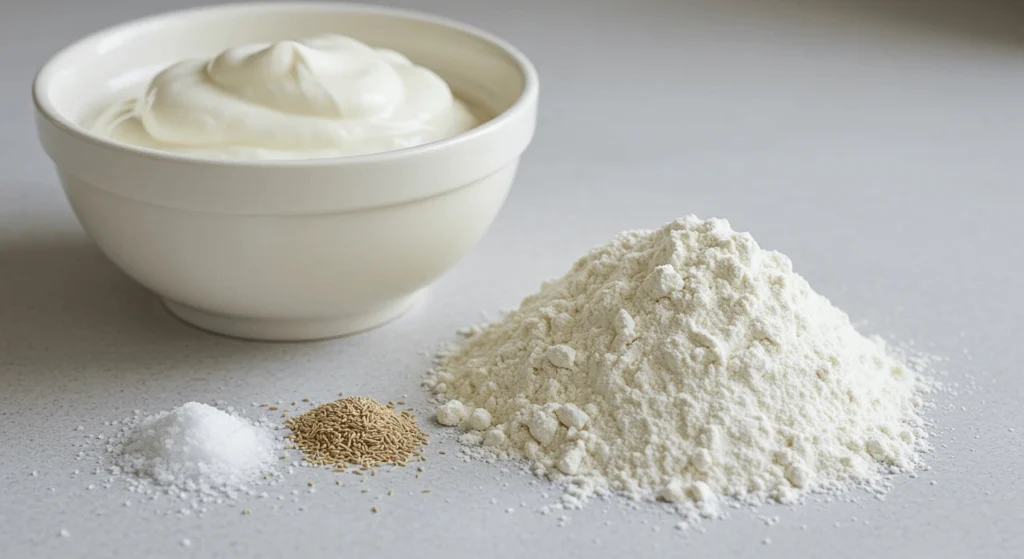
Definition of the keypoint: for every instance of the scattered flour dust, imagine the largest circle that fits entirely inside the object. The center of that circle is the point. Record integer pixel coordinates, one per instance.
(684, 364)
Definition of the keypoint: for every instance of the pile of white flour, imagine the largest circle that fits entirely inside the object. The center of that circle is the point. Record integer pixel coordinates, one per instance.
(684, 363)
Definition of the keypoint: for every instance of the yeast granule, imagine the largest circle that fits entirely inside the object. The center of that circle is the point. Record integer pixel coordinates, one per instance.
(356, 430)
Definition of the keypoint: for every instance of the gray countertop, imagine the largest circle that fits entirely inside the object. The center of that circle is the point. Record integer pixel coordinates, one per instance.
(877, 143)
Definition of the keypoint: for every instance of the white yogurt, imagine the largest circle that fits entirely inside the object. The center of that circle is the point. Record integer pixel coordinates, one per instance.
(327, 96)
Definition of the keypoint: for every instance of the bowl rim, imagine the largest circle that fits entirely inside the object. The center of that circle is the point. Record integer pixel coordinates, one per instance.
(523, 103)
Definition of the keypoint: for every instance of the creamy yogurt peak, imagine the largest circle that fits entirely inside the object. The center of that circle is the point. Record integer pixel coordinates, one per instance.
(326, 96)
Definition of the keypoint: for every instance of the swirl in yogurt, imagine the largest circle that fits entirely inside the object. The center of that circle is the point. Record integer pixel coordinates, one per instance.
(327, 96)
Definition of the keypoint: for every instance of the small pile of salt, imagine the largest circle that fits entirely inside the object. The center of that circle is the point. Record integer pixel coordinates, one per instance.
(196, 447)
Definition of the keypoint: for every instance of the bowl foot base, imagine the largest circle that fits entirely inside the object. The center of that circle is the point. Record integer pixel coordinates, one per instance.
(292, 330)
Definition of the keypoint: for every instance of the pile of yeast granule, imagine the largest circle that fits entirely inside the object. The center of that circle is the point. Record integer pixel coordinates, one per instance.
(358, 431)
(684, 363)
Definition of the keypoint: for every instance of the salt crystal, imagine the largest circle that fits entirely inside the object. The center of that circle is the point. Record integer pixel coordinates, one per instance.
(199, 446)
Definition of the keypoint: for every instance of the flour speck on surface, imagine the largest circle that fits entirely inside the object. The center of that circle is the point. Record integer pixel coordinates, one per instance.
(684, 364)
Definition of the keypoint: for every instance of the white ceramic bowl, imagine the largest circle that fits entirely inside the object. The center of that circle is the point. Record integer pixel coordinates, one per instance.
(286, 250)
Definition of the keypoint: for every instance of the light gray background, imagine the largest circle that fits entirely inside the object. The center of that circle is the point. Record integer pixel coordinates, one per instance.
(876, 142)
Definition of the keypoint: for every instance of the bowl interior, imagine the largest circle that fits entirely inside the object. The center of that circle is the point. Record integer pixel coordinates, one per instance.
(482, 70)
